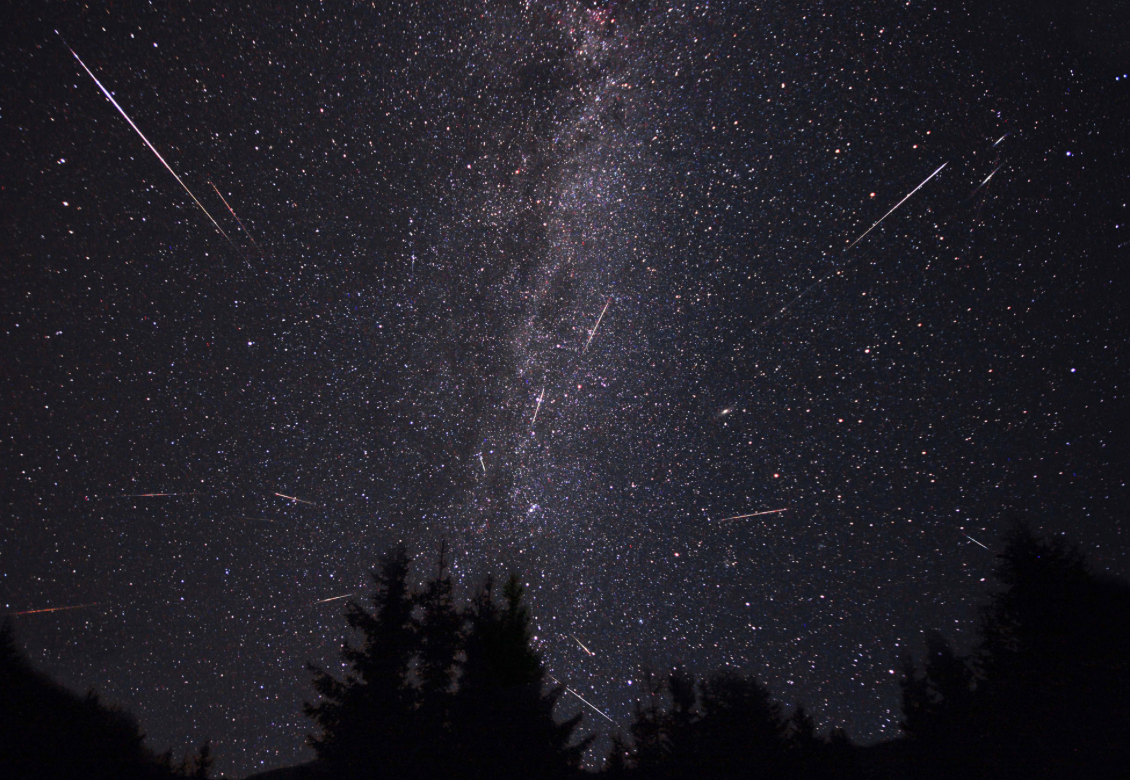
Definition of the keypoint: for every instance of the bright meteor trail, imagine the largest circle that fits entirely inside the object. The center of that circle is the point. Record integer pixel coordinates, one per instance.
(904, 200)
(754, 514)
(153, 149)
(53, 609)
(582, 698)
(597, 325)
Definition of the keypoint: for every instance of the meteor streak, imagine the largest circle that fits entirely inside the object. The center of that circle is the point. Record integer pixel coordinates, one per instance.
(482, 463)
(970, 538)
(754, 514)
(237, 219)
(53, 609)
(152, 148)
(998, 141)
(597, 325)
(582, 698)
(538, 407)
(334, 598)
(986, 181)
(157, 495)
(578, 641)
(840, 270)
(295, 500)
(904, 200)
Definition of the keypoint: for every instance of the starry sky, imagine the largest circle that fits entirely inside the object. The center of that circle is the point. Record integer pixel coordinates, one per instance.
(566, 285)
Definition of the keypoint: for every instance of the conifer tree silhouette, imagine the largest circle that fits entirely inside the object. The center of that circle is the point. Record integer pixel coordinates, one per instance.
(367, 719)
(46, 731)
(502, 721)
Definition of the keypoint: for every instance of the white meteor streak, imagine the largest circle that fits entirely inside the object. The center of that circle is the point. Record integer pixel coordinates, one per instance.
(538, 407)
(986, 181)
(904, 200)
(970, 538)
(153, 149)
(754, 514)
(295, 500)
(582, 698)
(597, 325)
(578, 641)
(482, 463)
(998, 141)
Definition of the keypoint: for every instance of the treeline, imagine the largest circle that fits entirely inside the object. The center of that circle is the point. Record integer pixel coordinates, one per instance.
(436, 689)
(49, 732)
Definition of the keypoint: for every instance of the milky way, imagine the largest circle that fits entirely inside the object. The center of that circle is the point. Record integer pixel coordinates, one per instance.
(570, 287)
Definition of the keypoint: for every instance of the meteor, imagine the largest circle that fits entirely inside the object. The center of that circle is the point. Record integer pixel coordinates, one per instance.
(597, 325)
(582, 698)
(237, 219)
(53, 609)
(157, 495)
(986, 181)
(970, 538)
(578, 641)
(754, 514)
(840, 270)
(334, 598)
(538, 407)
(998, 141)
(295, 500)
(482, 463)
(152, 148)
(904, 200)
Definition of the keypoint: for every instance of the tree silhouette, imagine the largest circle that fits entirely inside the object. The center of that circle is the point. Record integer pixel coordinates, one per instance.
(46, 731)
(503, 721)
(437, 691)
(367, 719)
(1044, 692)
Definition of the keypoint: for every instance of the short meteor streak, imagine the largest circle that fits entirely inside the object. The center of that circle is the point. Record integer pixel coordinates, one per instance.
(53, 609)
(998, 141)
(295, 500)
(970, 538)
(237, 219)
(597, 325)
(538, 407)
(754, 514)
(904, 200)
(482, 463)
(157, 495)
(986, 181)
(334, 598)
(582, 698)
(152, 148)
(579, 642)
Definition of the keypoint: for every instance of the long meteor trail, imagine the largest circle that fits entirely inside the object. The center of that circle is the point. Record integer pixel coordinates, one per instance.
(754, 514)
(597, 325)
(582, 698)
(538, 407)
(840, 270)
(53, 609)
(152, 148)
(904, 200)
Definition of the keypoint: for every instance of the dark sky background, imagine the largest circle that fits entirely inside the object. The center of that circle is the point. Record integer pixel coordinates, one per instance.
(443, 199)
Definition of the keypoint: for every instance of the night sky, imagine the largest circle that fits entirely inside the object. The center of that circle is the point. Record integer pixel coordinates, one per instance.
(439, 203)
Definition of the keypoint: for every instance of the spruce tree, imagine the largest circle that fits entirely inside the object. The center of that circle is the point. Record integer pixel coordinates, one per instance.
(367, 719)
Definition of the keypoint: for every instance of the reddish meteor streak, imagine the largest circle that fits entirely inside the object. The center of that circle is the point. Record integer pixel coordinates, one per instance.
(237, 219)
(754, 514)
(53, 609)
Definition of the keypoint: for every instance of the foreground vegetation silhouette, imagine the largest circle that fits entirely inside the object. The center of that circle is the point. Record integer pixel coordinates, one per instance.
(47, 731)
(437, 689)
